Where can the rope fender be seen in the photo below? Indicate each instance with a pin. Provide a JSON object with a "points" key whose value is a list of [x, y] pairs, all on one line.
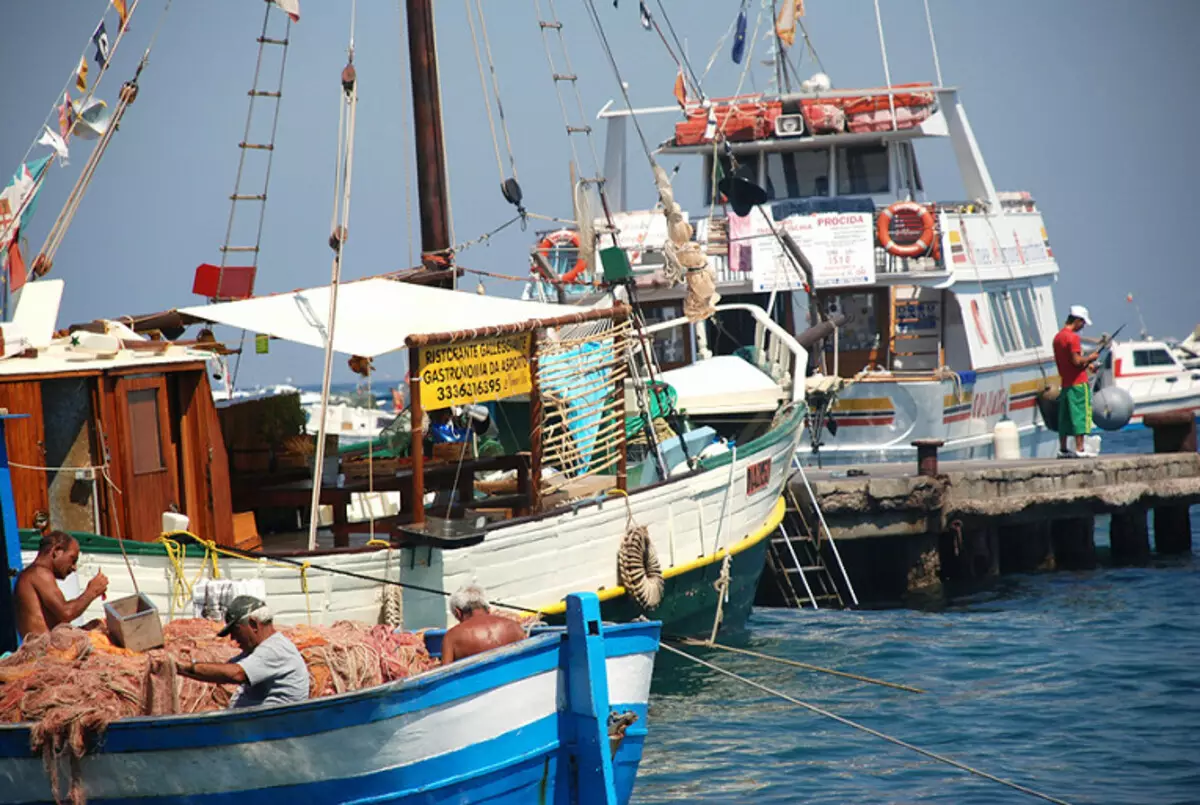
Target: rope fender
{"points": [[638, 568]]}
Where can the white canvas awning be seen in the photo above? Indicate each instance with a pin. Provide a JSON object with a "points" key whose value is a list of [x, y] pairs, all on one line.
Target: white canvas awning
{"points": [[374, 316]]}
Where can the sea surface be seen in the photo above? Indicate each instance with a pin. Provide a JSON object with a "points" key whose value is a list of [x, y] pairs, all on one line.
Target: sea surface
{"points": [[1081, 685]]}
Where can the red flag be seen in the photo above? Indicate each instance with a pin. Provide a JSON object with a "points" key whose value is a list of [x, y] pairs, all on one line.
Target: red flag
{"points": [[681, 89], [1129, 298], [16, 264]]}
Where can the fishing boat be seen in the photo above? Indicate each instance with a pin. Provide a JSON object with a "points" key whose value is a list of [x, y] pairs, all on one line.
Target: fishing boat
{"points": [[940, 313]]}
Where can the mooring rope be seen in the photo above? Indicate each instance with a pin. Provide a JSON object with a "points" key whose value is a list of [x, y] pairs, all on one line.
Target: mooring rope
{"points": [[863, 728]]}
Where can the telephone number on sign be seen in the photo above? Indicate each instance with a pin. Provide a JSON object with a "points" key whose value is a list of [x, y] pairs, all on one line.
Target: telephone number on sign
{"points": [[474, 390]]}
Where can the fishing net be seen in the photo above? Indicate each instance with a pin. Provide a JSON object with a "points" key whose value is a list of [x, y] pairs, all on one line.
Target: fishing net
{"points": [[71, 684]]}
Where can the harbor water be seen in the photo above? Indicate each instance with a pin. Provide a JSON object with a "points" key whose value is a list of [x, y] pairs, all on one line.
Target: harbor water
{"points": [[1082, 685]]}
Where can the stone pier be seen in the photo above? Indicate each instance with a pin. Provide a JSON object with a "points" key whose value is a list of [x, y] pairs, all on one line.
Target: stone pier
{"points": [[904, 533]]}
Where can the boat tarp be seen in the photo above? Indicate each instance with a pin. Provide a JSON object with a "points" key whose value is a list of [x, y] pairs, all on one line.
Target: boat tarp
{"points": [[374, 316]]}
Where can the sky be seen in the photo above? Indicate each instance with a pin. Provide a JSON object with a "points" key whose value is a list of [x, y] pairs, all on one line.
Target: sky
{"points": [[1091, 105]]}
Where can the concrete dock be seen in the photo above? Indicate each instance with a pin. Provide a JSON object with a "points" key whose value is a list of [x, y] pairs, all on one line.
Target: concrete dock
{"points": [[906, 531]]}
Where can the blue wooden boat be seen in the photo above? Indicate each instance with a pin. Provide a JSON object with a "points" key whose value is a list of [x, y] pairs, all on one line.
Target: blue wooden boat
{"points": [[528, 723]]}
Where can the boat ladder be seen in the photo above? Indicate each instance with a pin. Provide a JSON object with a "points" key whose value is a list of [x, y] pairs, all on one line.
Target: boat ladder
{"points": [[246, 207], [798, 551]]}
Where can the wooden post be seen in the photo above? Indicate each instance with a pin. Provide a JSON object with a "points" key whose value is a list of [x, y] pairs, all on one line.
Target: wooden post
{"points": [[417, 447], [535, 427]]}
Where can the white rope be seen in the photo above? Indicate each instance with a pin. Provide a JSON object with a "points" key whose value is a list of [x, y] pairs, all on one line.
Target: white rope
{"points": [[937, 65], [37, 468], [487, 46], [487, 102], [887, 73], [341, 205], [721, 585]]}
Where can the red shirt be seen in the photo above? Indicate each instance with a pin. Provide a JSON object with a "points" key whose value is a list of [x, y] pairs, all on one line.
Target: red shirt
{"points": [[1066, 344]]}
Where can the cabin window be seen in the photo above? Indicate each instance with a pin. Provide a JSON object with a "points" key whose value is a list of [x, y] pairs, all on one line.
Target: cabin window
{"points": [[862, 170], [798, 174], [1002, 325], [144, 431], [1152, 357], [1027, 318]]}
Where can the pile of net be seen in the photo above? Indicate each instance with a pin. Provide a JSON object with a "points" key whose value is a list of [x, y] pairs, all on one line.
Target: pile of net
{"points": [[71, 684]]}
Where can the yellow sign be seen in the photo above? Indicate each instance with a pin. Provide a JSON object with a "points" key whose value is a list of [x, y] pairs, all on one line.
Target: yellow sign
{"points": [[474, 371]]}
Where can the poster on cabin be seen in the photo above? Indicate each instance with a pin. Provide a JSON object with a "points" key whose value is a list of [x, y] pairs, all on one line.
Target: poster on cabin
{"points": [[839, 245], [476, 371], [1005, 242]]}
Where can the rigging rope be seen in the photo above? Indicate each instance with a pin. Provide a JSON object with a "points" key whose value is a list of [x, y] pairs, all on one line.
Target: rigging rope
{"points": [[679, 45], [487, 103], [341, 217], [861, 727]]}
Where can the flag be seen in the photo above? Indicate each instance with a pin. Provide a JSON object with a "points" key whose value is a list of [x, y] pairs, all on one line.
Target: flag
{"points": [[100, 40], [64, 115], [262, 344], [644, 14], [122, 12], [81, 75], [19, 199], [739, 37], [16, 263], [785, 25], [1129, 298], [291, 7], [53, 139], [681, 89]]}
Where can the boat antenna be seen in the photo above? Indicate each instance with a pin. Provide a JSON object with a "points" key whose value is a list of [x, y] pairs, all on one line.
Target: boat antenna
{"points": [[347, 107]]}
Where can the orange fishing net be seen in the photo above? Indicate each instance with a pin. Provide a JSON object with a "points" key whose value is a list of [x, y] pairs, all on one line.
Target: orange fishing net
{"points": [[72, 684]]}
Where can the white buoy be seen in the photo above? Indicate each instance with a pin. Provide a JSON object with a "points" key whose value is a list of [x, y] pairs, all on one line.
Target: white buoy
{"points": [[1006, 440]]}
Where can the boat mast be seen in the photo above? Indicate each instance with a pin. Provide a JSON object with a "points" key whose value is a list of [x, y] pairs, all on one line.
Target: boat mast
{"points": [[432, 193]]}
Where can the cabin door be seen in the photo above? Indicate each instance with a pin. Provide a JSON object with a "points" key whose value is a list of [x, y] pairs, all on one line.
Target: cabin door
{"points": [[149, 452]]}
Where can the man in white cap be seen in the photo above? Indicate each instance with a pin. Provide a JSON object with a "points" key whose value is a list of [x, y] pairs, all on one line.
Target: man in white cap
{"points": [[1075, 400], [270, 668]]}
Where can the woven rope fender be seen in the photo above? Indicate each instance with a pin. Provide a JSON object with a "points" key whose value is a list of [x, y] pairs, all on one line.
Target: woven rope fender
{"points": [[637, 565]]}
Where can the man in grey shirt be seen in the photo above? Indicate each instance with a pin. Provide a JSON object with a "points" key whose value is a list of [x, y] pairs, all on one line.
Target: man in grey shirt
{"points": [[270, 668]]}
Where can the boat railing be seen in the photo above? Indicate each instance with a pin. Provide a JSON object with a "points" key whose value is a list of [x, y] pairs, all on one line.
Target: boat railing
{"points": [[775, 351]]}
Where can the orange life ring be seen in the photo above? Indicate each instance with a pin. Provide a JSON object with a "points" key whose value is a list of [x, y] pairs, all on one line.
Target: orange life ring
{"points": [[883, 229], [557, 240]]}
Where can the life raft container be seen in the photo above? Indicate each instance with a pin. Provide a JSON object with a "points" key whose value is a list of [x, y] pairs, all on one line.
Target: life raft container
{"points": [[883, 229], [638, 568], [564, 239]]}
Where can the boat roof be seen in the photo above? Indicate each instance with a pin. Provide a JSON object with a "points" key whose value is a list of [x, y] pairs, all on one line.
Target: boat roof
{"points": [[723, 384], [62, 356], [374, 316]]}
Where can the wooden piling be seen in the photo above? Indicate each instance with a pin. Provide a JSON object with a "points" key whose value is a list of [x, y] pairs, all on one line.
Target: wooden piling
{"points": [[1129, 535]]}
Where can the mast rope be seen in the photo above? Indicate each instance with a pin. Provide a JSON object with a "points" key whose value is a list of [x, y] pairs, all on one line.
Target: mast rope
{"points": [[683, 59], [487, 102], [337, 239], [862, 727], [487, 46]]}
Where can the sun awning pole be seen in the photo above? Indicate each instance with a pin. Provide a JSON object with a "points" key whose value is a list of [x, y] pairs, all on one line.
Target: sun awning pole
{"points": [[337, 239]]}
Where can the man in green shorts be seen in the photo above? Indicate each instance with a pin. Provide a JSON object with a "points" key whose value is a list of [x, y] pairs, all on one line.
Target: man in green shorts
{"points": [[1075, 400]]}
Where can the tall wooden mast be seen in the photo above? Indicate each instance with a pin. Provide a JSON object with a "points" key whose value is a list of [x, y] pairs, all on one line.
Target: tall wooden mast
{"points": [[427, 120]]}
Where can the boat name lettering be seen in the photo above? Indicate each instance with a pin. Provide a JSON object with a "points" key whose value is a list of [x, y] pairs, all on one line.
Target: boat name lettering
{"points": [[758, 476], [989, 403]]}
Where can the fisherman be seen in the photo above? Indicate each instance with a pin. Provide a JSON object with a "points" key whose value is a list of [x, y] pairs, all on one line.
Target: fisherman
{"points": [[478, 630], [1075, 399], [40, 604], [270, 668]]}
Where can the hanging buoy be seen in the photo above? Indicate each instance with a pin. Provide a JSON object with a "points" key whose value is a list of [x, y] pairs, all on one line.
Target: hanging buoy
{"points": [[907, 209], [564, 239]]}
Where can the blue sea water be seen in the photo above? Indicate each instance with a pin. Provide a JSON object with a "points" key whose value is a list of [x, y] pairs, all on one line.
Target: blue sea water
{"points": [[1082, 685]]}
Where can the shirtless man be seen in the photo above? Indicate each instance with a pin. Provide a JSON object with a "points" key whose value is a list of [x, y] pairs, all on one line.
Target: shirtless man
{"points": [[39, 603], [478, 629]]}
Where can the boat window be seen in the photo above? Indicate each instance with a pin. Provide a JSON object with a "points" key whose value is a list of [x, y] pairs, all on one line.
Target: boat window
{"points": [[1002, 324], [862, 170], [1023, 303], [144, 431], [798, 174], [671, 346], [1152, 357]]}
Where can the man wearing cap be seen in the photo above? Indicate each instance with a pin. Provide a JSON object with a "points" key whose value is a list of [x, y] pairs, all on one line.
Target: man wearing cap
{"points": [[270, 668], [1075, 400]]}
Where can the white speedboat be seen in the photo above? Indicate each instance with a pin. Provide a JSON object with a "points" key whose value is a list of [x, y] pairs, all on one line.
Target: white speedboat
{"points": [[1155, 375]]}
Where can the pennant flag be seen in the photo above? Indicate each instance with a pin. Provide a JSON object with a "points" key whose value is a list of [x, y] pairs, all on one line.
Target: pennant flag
{"points": [[681, 89], [739, 37], [19, 199], [16, 263], [100, 40], [1129, 298], [64, 115], [262, 344], [81, 75], [785, 25], [290, 7], [644, 14], [53, 139], [122, 12]]}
